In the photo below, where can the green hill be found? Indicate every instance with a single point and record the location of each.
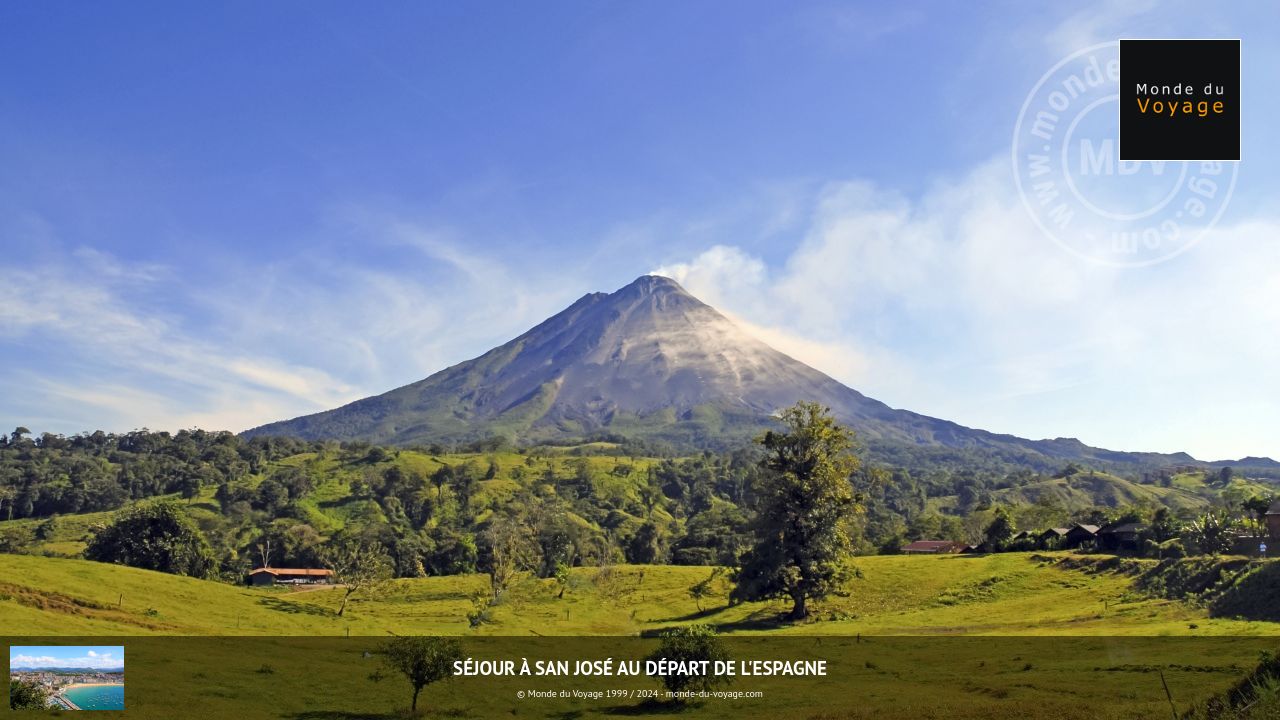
(1008, 594)
(334, 501)
(1085, 488)
(602, 496)
(1056, 629)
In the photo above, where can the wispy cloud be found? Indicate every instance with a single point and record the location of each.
(120, 345)
(956, 305)
(102, 658)
(90, 317)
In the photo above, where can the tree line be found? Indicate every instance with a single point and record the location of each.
(558, 513)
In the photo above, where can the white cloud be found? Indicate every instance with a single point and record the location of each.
(952, 304)
(116, 345)
(90, 659)
(27, 661)
(956, 305)
(95, 312)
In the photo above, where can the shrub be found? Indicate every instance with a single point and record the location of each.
(1174, 548)
(694, 642)
(24, 695)
(153, 536)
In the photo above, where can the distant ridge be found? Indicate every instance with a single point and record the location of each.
(650, 361)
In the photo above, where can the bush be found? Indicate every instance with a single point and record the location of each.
(1250, 594)
(153, 536)
(1168, 550)
(1150, 548)
(1211, 533)
(25, 695)
(683, 644)
(1174, 548)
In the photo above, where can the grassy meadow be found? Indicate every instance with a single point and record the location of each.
(1004, 594)
(1036, 635)
(1011, 635)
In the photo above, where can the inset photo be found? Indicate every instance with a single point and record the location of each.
(67, 677)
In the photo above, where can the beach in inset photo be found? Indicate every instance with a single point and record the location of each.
(70, 677)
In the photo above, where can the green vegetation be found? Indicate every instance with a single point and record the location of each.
(422, 660)
(153, 536)
(1255, 697)
(1002, 594)
(688, 645)
(25, 695)
(359, 566)
(805, 505)
(1124, 603)
(540, 510)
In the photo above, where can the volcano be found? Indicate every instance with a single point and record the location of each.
(651, 362)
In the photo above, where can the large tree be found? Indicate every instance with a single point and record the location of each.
(509, 548)
(999, 532)
(154, 536)
(423, 660)
(805, 502)
(360, 566)
(7, 495)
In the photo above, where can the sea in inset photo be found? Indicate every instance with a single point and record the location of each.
(70, 677)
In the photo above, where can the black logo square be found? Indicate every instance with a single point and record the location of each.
(1179, 99)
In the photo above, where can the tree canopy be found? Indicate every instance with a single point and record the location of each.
(423, 660)
(153, 536)
(806, 501)
(688, 644)
(26, 695)
(360, 565)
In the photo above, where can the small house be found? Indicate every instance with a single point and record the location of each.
(1124, 536)
(934, 547)
(1052, 538)
(290, 576)
(1273, 520)
(1079, 535)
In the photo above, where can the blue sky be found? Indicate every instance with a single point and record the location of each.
(227, 215)
(76, 656)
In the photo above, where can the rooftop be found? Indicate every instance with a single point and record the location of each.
(292, 571)
(1125, 528)
(930, 544)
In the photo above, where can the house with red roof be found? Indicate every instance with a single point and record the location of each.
(290, 576)
(934, 547)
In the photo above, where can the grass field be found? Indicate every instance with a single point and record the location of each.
(1007, 594)
(894, 678)
(1011, 635)
(1028, 635)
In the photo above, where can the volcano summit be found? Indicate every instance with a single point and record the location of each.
(649, 361)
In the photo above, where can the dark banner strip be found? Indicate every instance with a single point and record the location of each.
(304, 678)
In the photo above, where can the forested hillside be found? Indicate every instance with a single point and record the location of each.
(441, 511)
